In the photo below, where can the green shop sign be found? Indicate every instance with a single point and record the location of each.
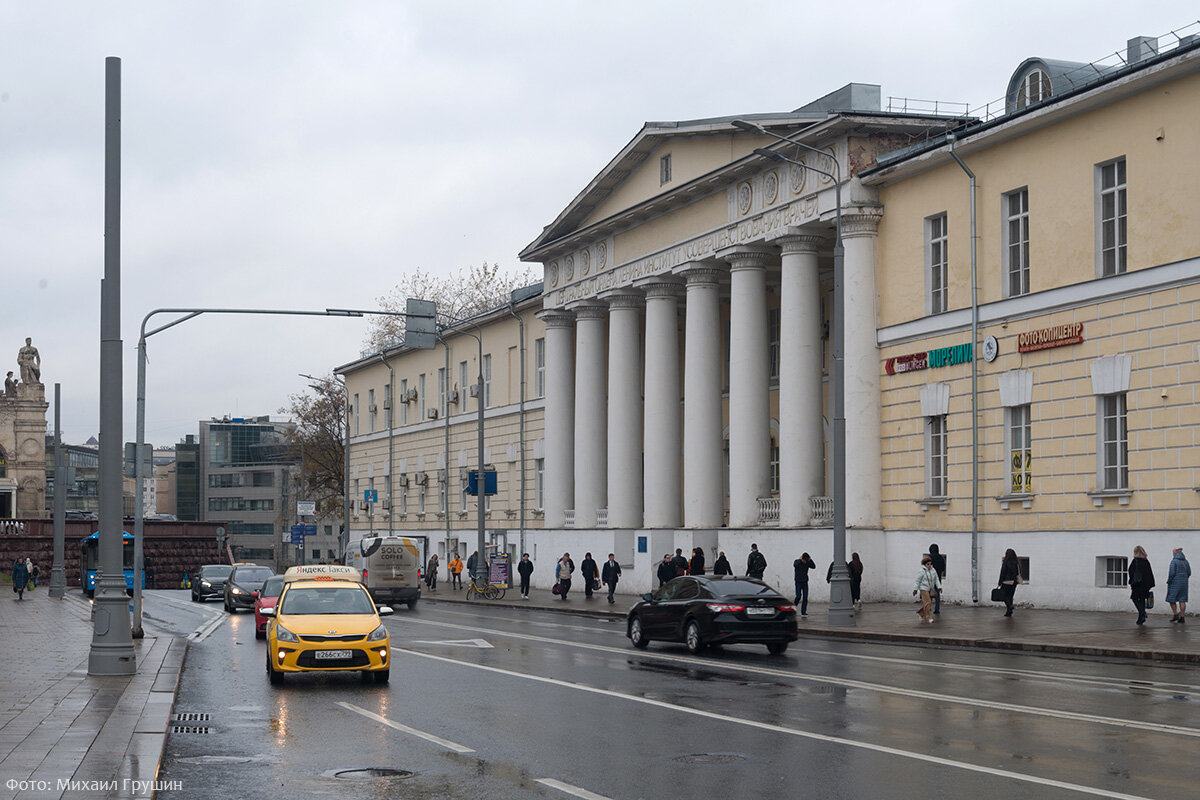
(941, 357)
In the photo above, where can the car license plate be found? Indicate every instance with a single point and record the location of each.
(327, 654)
(760, 612)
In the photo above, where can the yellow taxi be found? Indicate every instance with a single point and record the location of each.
(326, 621)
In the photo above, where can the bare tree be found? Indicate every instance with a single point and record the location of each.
(460, 295)
(317, 444)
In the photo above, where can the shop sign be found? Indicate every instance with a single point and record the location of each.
(909, 363)
(1055, 336)
(941, 357)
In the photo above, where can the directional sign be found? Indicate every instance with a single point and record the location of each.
(297, 534)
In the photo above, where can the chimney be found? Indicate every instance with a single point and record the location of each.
(1140, 48)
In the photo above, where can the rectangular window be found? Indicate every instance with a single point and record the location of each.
(371, 410)
(462, 490)
(774, 467)
(539, 483)
(664, 170)
(1116, 571)
(539, 367)
(1111, 233)
(442, 489)
(1114, 442)
(1020, 451)
(421, 398)
(356, 415)
(773, 343)
(442, 393)
(387, 406)
(937, 249)
(464, 386)
(936, 456)
(1016, 242)
(404, 401)
(487, 381)
(357, 493)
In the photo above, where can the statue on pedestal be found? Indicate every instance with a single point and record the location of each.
(10, 386)
(30, 362)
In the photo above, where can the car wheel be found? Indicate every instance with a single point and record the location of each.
(692, 638)
(382, 675)
(637, 635)
(411, 604)
(228, 608)
(195, 599)
(259, 634)
(276, 677)
(775, 648)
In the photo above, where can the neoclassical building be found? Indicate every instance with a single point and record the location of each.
(687, 306)
(23, 450)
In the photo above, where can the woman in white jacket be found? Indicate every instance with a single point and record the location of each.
(927, 584)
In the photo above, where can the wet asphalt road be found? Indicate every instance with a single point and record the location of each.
(501, 703)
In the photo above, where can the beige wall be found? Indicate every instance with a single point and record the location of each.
(1056, 163)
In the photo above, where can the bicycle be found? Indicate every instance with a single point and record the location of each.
(478, 587)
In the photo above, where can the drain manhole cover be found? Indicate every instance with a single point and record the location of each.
(368, 774)
(823, 688)
(189, 716)
(709, 758)
(189, 729)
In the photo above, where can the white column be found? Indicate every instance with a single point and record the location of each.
(559, 466)
(703, 483)
(801, 432)
(591, 417)
(663, 437)
(749, 375)
(624, 408)
(863, 416)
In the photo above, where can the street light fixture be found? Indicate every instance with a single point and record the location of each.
(841, 607)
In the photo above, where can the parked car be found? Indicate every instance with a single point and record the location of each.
(702, 610)
(242, 582)
(210, 582)
(266, 597)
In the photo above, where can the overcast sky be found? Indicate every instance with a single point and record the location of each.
(307, 155)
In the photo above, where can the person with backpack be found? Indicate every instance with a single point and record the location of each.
(756, 563)
(721, 565)
(679, 562)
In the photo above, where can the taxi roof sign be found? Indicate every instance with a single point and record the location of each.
(327, 572)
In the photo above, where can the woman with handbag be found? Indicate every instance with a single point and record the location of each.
(927, 584)
(1010, 576)
(1141, 581)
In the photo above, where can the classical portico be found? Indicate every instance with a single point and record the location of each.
(703, 313)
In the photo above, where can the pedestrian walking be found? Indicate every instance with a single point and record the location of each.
(680, 562)
(856, 573)
(939, 564)
(721, 565)
(31, 584)
(562, 574)
(20, 576)
(456, 568)
(525, 569)
(472, 564)
(34, 571)
(1141, 581)
(1010, 576)
(801, 566)
(185, 582)
(431, 573)
(591, 575)
(756, 563)
(1177, 584)
(610, 573)
(927, 584)
(696, 565)
(666, 570)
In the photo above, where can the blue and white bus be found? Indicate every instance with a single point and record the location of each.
(89, 559)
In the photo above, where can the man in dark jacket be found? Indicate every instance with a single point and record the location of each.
(525, 569)
(802, 565)
(680, 563)
(610, 573)
(939, 565)
(472, 563)
(590, 572)
(666, 570)
(756, 563)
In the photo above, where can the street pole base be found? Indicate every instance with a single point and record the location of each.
(841, 607)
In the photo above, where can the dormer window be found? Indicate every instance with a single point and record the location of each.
(1035, 87)
(664, 170)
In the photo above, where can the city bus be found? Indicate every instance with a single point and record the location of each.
(89, 560)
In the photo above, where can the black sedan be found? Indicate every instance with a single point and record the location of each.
(210, 582)
(701, 611)
(242, 583)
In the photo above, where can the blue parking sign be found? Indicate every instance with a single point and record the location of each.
(370, 495)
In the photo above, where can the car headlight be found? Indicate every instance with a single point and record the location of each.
(206, 583)
(237, 590)
(379, 634)
(282, 634)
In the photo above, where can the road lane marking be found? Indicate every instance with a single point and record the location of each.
(574, 791)
(206, 629)
(767, 726)
(1160, 686)
(848, 683)
(429, 737)
(480, 644)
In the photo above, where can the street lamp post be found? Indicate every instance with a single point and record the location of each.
(139, 500)
(841, 607)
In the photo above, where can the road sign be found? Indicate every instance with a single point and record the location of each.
(310, 530)
(129, 465)
(489, 482)
(370, 495)
(420, 324)
(297, 534)
(306, 508)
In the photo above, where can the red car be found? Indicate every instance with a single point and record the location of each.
(266, 597)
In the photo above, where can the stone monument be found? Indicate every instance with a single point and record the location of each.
(23, 439)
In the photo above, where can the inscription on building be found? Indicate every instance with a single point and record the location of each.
(1054, 336)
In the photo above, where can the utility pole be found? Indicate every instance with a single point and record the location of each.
(58, 575)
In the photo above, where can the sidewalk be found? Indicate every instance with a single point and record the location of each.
(59, 725)
(1085, 633)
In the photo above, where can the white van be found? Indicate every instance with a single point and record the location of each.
(391, 567)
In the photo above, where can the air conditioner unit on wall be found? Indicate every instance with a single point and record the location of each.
(411, 396)
(474, 390)
(387, 402)
(452, 396)
(422, 478)
(402, 479)
(432, 413)
(372, 408)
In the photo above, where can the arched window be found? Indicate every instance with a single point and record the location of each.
(1035, 87)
